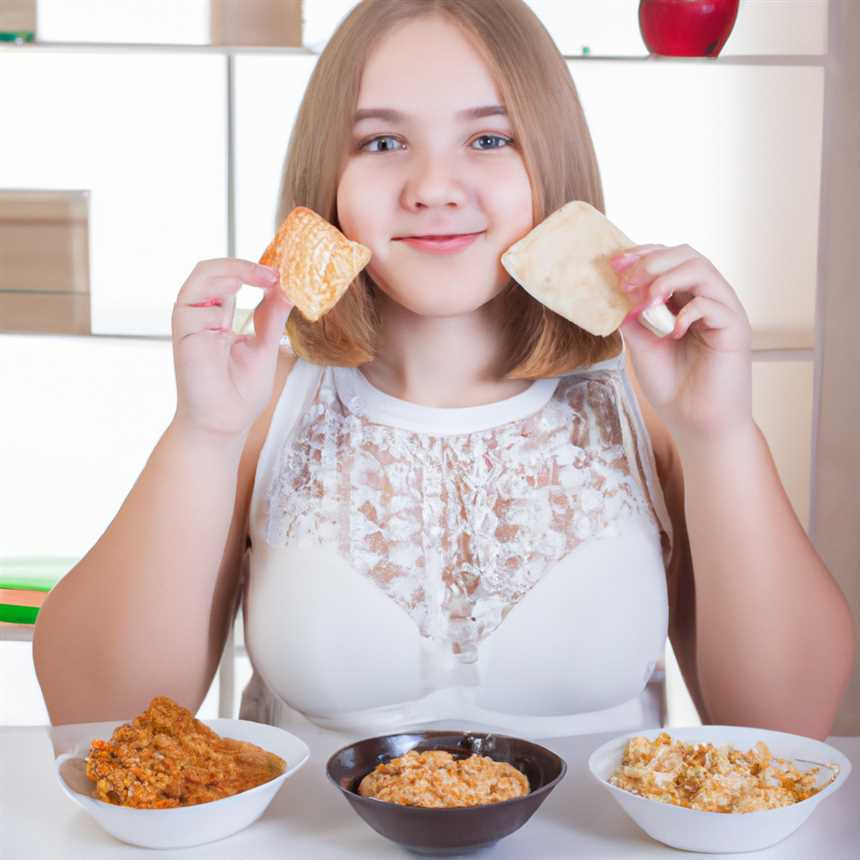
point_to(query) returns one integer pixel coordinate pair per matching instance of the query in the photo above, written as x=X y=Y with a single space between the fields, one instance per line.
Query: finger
x=711 y=313
x=217 y=279
x=219 y=290
x=696 y=277
x=270 y=320
x=626 y=258
x=225 y=303
x=190 y=320
x=655 y=263
x=270 y=317
x=638 y=336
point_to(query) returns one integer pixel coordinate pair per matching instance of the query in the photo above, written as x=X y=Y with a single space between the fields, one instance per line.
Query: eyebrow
x=388 y=115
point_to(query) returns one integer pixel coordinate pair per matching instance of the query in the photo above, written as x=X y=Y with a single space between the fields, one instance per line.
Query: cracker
x=317 y=263
x=564 y=264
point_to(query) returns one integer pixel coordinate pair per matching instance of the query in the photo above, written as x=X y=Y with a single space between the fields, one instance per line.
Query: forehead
x=426 y=64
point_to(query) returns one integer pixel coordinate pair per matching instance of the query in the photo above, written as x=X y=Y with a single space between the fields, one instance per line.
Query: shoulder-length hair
x=549 y=124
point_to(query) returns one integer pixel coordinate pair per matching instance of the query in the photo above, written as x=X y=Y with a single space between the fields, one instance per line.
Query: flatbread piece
x=564 y=264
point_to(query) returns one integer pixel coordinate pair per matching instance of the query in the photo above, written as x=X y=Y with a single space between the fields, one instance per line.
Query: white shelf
x=240 y=50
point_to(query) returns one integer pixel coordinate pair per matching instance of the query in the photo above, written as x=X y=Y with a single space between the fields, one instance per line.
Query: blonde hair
x=549 y=125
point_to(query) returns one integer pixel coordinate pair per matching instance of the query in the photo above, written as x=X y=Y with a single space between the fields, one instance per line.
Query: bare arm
x=762 y=633
x=146 y=611
x=775 y=637
x=761 y=629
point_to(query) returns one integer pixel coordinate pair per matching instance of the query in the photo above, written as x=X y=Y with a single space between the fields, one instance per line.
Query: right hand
x=224 y=380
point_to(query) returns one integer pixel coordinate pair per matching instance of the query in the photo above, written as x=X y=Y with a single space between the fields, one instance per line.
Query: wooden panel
x=45 y=313
x=257 y=22
x=44 y=241
x=836 y=495
x=44 y=262
x=17 y=15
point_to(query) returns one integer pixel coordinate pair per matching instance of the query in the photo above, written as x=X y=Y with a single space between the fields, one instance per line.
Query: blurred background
x=140 y=136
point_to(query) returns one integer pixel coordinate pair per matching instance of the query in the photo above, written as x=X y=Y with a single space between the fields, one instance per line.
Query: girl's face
x=432 y=154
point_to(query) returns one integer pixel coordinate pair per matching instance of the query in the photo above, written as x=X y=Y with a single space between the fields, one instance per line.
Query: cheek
x=352 y=199
x=347 y=210
x=509 y=198
x=357 y=204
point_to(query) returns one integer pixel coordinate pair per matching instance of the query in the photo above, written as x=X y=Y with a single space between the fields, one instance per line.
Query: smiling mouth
x=440 y=245
x=438 y=238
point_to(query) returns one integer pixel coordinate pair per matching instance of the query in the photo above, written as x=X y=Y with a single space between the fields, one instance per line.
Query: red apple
x=687 y=28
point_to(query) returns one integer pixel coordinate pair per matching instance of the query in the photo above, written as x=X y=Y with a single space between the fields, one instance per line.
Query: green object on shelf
x=28 y=583
x=30 y=573
x=18 y=614
x=18 y=36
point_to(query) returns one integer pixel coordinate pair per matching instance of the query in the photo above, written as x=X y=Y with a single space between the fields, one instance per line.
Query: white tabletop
x=310 y=819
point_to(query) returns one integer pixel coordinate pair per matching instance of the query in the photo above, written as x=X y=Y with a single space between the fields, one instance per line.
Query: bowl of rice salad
x=718 y=789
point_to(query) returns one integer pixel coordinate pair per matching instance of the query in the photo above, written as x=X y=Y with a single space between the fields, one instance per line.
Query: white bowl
x=717 y=832
x=189 y=825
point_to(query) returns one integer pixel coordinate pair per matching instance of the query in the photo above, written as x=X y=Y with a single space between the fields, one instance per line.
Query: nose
x=432 y=183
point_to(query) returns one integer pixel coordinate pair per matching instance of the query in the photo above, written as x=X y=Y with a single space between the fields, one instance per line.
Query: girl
x=456 y=505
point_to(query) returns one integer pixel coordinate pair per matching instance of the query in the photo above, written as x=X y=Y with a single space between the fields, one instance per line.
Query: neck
x=455 y=361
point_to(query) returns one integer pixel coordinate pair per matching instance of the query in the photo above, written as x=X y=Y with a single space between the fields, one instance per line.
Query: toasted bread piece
x=316 y=261
x=564 y=264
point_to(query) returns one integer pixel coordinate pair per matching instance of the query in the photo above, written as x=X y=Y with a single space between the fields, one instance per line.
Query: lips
x=439 y=244
x=438 y=236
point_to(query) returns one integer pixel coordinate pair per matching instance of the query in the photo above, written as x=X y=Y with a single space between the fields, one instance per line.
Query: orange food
x=434 y=778
x=317 y=263
x=166 y=758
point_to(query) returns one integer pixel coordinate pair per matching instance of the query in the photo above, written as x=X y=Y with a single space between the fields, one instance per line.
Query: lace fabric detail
x=457 y=529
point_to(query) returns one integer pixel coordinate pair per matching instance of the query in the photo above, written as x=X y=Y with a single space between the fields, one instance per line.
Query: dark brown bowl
x=446 y=830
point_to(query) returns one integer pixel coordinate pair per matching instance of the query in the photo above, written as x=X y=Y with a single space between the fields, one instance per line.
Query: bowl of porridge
x=718 y=789
x=442 y=792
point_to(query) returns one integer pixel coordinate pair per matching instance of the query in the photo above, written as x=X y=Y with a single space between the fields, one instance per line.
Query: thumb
x=636 y=335
x=270 y=319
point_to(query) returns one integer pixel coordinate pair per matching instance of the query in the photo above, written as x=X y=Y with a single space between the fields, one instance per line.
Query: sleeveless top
x=500 y=566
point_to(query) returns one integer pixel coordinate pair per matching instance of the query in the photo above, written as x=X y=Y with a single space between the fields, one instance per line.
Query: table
x=309 y=818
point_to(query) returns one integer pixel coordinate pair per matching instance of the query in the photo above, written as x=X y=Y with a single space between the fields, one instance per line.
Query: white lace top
x=500 y=565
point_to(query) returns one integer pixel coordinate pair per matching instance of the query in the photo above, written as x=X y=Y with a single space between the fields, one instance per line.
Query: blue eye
x=388 y=143
x=368 y=147
x=505 y=141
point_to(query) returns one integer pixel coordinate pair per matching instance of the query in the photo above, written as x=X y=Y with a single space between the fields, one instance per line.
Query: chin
x=436 y=295
x=436 y=302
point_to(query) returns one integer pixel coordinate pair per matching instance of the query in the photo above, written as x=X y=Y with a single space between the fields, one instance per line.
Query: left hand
x=699 y=378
